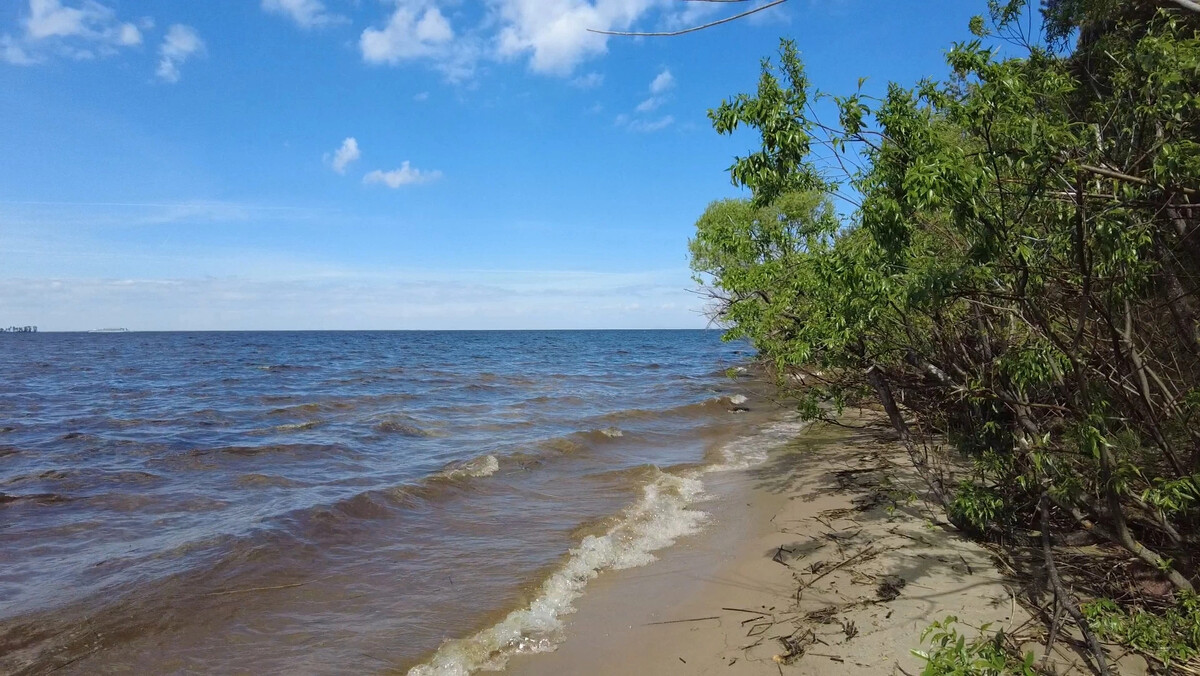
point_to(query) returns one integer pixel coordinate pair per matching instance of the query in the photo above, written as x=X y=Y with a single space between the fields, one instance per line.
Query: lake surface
x=366 y=502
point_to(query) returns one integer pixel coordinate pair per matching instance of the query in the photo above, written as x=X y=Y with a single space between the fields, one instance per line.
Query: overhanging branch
x=693 y=29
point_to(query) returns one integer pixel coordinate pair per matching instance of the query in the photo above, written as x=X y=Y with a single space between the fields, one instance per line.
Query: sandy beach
x=823 y=560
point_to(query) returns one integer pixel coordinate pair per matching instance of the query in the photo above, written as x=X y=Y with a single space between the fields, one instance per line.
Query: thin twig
x=690 y=619
x=693 y=29
x=255 y=589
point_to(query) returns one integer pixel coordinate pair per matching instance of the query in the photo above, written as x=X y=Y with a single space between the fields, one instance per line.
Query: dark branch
x=693 y=29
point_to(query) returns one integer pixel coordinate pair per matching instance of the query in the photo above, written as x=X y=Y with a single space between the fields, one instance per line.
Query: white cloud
x=406 y=36
x=180 y=44
x=421 y=97
x=663 y=82
x=416 y=32
x=305 y=13
x=588 y=81
x=129 y=35
x=346 y=154
x=554 y=37
x=49 y=18
x=84 y=30
x=554 y=33
x=405 y=175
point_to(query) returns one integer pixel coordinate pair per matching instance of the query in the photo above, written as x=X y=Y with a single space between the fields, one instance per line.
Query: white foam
x=737 y=399
x=753 y=450
x=660 y=517
x=479 y=467
x=655 y=521
x=612 y=432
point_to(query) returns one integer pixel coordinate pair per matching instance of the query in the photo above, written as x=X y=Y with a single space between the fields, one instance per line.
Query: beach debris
x=690 y=619
x=796 y=644
x=778 y=558
x=256 y=589
x=822 y=616
x=889 y=588
x=849 y=629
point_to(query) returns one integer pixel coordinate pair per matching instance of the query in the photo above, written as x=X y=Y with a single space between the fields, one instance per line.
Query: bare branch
x=1185 y=4
x=693 y=29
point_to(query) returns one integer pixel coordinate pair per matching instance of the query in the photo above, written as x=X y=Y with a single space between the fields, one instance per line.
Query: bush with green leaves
x=1015 y=271
x=1171 y=635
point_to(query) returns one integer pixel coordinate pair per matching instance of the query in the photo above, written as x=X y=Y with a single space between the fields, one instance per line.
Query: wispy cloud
x=306 y=14
x=663 y=82
x=41 y=215
x=85 y=30
x=405 y=175
x=180 y=44
x=660 y=88
x=345 y=155
x=588 y=81
x=645 y=126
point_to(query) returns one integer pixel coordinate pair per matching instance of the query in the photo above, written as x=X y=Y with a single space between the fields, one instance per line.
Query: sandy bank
x=820 y=561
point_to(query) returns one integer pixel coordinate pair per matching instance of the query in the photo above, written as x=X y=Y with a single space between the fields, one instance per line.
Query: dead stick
x=840 y=565
x=254 y=589
x=690 y=619
x=743 y=610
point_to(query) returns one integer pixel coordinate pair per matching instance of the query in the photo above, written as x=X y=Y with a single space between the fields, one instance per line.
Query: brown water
x=343 y=502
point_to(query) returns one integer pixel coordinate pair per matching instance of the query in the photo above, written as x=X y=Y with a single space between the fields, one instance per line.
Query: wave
x=340 y=404
x=662 y=515
x=267 y=480
x=476 y=468
x=708 y=407
x=581 y=442
x=283 y=367
x=654 y=522
x=402 y=425
x=297 y=427
x=297 y=450
x=35 y=498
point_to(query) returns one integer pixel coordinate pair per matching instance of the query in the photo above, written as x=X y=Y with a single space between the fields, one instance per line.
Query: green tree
x=1019 y=269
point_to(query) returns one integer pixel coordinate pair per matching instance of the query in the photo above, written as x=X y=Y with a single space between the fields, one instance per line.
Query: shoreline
x=822 y=559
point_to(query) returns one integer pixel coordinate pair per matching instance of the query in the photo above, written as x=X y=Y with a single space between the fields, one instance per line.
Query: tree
x=1019 y=270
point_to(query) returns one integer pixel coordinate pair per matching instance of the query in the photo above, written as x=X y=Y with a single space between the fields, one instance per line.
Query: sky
x=390 y=164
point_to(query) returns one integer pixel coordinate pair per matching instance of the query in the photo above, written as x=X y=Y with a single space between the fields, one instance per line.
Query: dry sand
x=821 y=561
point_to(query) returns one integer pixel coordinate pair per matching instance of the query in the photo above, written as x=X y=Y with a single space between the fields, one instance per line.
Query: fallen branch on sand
x=256 y=589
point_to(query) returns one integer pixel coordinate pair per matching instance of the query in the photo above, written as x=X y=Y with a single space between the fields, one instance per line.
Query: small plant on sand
x=952 y=654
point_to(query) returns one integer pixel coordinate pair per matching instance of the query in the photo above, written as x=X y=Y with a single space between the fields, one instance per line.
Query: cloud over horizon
x=463 y=299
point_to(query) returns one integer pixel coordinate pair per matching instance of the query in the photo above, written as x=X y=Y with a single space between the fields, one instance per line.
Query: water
x=367 y=502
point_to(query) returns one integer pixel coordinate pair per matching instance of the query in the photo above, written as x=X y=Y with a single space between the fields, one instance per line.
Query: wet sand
x=823 y=560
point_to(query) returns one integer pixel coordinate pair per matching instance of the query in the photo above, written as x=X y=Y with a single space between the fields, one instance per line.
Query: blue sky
x=389 y=164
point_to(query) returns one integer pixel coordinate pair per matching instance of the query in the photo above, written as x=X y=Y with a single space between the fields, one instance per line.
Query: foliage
x=1016 y=270
x=1173 y=636
x=951 y=654
x=977 y=506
